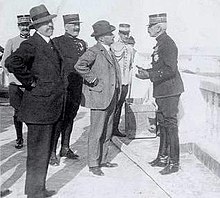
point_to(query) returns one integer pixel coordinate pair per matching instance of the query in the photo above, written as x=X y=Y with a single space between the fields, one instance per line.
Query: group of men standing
x=56 y=75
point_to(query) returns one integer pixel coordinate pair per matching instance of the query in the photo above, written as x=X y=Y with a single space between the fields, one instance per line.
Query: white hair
x=163 y=26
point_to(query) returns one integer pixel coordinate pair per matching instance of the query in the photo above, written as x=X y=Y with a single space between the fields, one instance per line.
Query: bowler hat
x=40 y=14
x=102 y=27
x=157 y=18
x=24 y=19
x=124 y=28
x=71 y=18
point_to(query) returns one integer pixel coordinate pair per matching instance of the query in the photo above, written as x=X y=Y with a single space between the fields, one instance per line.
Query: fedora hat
x=40 y=14
x=101 y=28
x=71 y=18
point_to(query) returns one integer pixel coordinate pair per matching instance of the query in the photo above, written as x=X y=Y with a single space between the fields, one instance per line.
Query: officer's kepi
x=157 y=18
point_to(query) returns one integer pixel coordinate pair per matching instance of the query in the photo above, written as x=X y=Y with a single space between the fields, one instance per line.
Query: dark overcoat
x=36 y=63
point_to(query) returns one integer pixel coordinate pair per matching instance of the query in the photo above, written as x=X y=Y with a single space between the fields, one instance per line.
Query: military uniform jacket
x=164 y=72
x=35 y=61
x=11 y=46
x=124 y=55
x=71 y=49
x=96 y=62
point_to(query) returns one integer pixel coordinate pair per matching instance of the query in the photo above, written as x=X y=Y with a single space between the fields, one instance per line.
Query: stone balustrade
x=200 y=108
x=199 y=118
x=210 y=89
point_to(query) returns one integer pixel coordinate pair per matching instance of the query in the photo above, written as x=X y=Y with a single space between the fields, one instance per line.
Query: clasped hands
x=142 y=73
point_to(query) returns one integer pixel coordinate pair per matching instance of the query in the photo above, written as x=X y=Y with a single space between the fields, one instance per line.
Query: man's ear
x=159 y=29
x=101 y=38
x=65 y=27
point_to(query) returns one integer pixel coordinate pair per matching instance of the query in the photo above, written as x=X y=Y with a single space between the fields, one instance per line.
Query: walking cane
x=130 y=84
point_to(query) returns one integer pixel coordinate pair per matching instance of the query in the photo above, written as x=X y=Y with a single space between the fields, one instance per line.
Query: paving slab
x=192 y=180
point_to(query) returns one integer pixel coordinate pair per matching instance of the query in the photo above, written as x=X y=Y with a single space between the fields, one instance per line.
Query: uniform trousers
x=38 y=154
x=15 y=97
x=168 y=125
x=100 y=133
x=65 y=125
x=119 y=106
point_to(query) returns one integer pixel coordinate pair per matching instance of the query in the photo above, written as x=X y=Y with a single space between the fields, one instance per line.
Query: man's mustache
x=76 y=29
x=50 y=28
x=25 y=29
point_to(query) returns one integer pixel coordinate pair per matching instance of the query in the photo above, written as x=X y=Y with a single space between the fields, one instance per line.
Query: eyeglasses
x=151 y=25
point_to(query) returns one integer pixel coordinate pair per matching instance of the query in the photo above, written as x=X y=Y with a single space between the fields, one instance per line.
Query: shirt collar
x=106 y=47
x=47 y=39
x=26 y=36
x=69 y=35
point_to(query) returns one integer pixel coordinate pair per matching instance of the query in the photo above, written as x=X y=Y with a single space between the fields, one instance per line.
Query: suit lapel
x=47 y=50
x=105 y=53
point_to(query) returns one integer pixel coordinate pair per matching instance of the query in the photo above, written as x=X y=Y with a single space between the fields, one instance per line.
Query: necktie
x=51 y=44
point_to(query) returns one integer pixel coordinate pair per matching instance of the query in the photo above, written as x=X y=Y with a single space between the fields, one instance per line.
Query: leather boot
x=18 y=127
x=162 y=156
x=160 y=161
x=19 y=143
x=68 y=153
x=54 y=160
x=172 y=167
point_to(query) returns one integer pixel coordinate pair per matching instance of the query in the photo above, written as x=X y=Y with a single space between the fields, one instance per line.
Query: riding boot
x=162 y=156
x=18 y=127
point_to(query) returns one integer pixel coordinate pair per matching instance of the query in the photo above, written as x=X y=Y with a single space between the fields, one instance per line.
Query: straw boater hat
x=24 y=19
x=101 y=28
x=124 y=28
x=40 y=14
x=71 y=19
x=157 y=18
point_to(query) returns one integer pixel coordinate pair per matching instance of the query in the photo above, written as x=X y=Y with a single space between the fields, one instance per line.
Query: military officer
x=15 y=87
x=124 y=55
x=71 y=48
x=167 y=88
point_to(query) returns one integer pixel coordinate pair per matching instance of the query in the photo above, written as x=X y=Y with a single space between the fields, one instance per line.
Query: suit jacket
x=164 y=73
x=97 y=63
x=35 y=61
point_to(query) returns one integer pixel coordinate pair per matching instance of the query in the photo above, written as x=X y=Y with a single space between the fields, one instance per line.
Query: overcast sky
x=192 y=24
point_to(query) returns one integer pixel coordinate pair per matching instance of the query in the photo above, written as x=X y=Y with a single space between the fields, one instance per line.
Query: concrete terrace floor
x=72 y=179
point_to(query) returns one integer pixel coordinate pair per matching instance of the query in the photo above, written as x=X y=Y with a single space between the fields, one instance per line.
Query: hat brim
x=124 y=32
x=112 y=28
x=42 y=20
x=73 y=22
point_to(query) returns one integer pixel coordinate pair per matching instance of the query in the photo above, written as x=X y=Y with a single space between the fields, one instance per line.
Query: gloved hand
x=142 y=73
